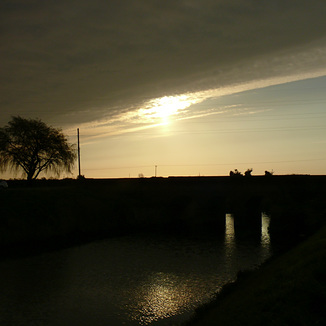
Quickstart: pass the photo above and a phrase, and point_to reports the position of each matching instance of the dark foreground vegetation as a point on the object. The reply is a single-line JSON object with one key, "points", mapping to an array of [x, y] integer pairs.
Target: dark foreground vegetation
{"points": [[290, 289], [49, 214]]}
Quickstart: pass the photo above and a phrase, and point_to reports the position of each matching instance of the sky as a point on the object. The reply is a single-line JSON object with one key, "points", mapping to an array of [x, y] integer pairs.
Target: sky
{"points": [[166, 88]]}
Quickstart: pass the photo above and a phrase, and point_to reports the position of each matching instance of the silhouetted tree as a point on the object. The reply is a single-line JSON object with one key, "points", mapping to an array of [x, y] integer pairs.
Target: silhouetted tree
{"points": [[268, 174], [236, 173], [34, 147], [81, 177], [248, 173]]}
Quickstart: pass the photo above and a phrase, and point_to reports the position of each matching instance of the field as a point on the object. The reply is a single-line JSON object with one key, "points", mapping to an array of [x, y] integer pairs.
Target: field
{"points": [[50, 214], [290, 289]]}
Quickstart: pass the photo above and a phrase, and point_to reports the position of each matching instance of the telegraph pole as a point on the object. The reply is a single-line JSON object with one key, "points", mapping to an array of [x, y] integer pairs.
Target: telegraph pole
{"points": [[155, 171], [78, 153]]}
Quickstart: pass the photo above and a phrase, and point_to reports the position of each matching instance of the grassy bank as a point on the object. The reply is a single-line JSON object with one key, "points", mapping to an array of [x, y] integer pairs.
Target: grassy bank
{"points": [[54, 213], [49, 215], [287, 290]]}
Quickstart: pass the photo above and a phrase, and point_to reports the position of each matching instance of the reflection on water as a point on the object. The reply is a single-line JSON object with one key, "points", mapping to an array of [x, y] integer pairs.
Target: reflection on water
{"points": [[229, 230], [265, 239], [229, 239], [232, 252], [163, 295], [134, 280], [230, 244]]}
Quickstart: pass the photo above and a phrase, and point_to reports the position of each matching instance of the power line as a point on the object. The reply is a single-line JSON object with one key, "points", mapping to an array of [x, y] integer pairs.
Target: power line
{"points": [[205, 164], [212, 131]]}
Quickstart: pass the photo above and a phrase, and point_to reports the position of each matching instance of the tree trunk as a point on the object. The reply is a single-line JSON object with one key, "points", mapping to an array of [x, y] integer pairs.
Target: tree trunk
{"points": [[30, 174]]}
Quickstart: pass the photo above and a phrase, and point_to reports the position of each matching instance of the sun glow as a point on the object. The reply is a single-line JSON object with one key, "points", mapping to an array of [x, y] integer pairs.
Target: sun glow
{"points": [[162, 109]]}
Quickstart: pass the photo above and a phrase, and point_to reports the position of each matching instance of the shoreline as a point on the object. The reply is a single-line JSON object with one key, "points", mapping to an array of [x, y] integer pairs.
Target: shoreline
{"points": [[289, 288]]}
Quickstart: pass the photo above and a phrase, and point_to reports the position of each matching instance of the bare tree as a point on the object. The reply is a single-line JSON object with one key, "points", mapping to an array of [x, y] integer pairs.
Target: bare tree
{"points": [[248, 173], [236, 173], [34, 147]]}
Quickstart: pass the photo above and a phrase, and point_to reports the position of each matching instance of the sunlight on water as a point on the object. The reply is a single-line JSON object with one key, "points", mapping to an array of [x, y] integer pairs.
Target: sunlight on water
{"points": [[229, 242], [265, 237], [163, 296], [134, 280], [229, 231], [230, 238]]}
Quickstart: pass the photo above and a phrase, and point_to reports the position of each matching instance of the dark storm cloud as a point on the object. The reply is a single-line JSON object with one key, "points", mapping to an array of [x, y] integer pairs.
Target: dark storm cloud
{"points": [[78, 61]]}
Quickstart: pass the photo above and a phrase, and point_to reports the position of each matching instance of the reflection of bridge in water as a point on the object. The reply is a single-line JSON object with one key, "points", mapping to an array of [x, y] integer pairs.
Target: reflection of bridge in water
{"points": [[265, 237], [231, 241], [230, 231]]}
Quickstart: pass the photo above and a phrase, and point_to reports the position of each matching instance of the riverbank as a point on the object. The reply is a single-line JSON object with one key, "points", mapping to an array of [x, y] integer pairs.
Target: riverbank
{"points": [[289, 289], [50, 214]]}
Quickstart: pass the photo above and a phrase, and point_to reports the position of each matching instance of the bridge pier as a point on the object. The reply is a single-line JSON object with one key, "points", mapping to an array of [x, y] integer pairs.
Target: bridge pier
{"points": [[247, 216]]}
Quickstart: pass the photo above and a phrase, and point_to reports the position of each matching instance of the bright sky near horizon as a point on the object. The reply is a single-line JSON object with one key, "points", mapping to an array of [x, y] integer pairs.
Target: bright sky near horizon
{"points": [[280, 128], [183, 87]]}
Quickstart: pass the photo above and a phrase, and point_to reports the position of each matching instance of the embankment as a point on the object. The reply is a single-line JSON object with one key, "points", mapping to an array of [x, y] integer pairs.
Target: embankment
{"points": [[54, 213], [290, 289], [50, 214]]}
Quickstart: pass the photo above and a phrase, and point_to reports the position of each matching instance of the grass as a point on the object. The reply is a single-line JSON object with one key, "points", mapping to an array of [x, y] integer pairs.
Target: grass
{"points": [[290, 289], [56, 214]]}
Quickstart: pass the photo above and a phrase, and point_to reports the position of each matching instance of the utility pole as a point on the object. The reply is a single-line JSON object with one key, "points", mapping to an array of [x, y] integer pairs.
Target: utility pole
{"points": [[78, 153], [155, 171]]}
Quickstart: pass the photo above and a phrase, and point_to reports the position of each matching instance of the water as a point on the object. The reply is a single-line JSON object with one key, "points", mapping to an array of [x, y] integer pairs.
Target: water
{"points": [[134, 280]]}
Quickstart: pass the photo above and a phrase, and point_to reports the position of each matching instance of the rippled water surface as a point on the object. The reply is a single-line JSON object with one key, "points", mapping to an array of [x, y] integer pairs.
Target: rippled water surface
{"points": [[134, 280]]}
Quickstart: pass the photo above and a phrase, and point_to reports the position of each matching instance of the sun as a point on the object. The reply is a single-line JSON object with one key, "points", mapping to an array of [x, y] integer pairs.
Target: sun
{"points": [[159, 111], [164, 108]]}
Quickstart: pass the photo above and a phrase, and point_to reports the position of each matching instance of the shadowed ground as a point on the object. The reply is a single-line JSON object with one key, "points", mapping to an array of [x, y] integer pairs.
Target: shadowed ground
{"points": [[54, 213], [287, 290]]}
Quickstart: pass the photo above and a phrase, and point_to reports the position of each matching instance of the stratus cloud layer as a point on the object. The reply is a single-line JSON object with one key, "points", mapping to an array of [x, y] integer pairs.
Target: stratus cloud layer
{"points": [[82, 61], [160, 111]]}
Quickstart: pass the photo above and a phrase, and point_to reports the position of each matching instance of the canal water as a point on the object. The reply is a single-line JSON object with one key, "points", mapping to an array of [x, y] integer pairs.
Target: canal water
{"points": [[132, 280]]}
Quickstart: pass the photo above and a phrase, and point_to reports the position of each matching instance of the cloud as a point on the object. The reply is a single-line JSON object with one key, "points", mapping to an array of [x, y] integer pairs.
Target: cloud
{"points": [[84, 61]]}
